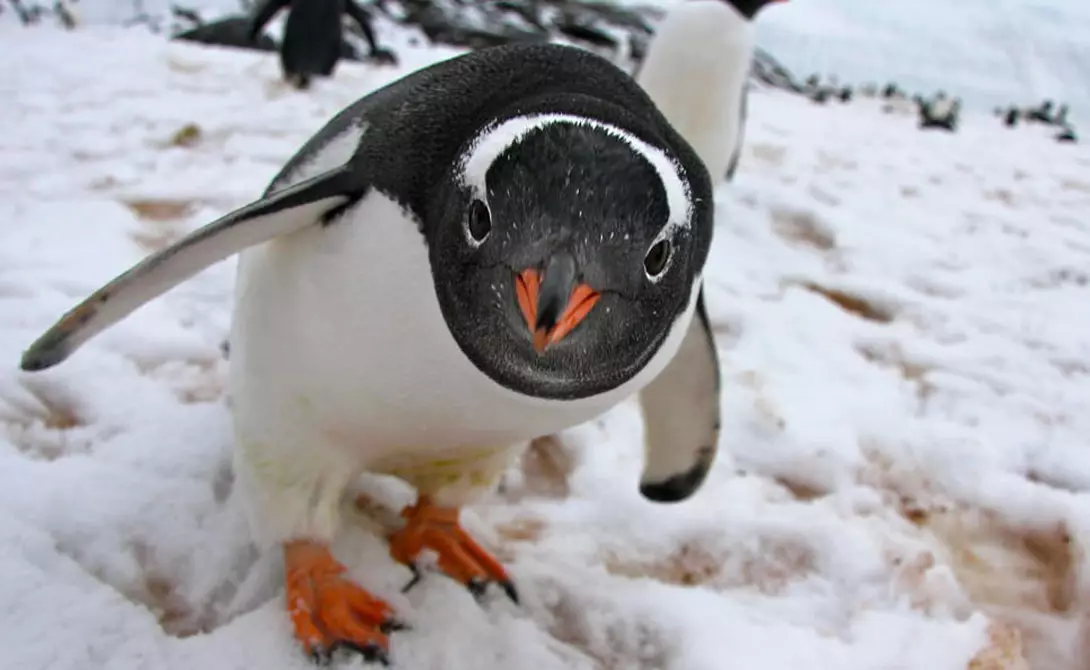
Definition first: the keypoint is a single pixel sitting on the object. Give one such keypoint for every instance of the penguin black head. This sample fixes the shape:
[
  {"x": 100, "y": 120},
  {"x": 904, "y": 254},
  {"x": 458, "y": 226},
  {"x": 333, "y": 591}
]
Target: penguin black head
[
  {"x": 564, "y": 253},
  {"x": 750, "y": 8}
]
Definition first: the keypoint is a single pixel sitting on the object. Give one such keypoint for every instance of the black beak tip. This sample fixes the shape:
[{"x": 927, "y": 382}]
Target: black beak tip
[
  {"x": 547, "y": 316},
  {"x": 556, "y": 286}
]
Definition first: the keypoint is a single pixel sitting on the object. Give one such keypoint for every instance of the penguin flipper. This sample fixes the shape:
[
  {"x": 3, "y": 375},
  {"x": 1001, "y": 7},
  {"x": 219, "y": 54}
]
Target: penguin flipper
[
  {"x": 681, "y": 416},
  {"x": 277, "y": 214},
  {"x": 262, "y": 14},
  {"x": 740, "y": 140}
]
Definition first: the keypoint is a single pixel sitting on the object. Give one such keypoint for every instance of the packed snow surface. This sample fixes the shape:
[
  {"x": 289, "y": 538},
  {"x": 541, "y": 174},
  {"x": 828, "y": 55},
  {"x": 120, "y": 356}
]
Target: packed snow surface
[{"x": 905, "y": 341}]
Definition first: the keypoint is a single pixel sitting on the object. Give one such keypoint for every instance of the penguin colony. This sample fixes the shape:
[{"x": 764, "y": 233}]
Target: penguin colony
[
  {"x": 940, "y": 111},
  {"x": 490, "y": 249}
]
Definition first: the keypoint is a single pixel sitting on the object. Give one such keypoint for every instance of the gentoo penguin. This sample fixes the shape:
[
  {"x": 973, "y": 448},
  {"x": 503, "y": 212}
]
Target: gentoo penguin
[
  {"x": 1067, "y": 135},
  {"x": 1041, "y": 114},
  {"x": 313, "y": 39},
  {"x": 1011, "y": 118},
  {"x": 1060, "y": 119},
  {"x": 940, "y": 112},
  {"x": 493, "y": 248},
  {"x": 696, "y": 70}
]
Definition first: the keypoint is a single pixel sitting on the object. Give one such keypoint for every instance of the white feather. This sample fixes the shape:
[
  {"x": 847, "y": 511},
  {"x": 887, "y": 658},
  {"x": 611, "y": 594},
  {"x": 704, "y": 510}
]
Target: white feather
[
  {"x": 940, "y": 109},
  {"x": 496, "y": 139},
  {"x": 696, "y": 70},
  {"x": 335, "y": 153}
]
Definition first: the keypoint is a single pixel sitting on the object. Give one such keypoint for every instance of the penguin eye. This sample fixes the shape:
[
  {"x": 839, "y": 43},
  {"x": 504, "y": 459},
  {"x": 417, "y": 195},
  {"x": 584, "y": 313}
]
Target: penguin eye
[
  {"x": 478, "y": 221},
  {"x": 657, "y": 258}
]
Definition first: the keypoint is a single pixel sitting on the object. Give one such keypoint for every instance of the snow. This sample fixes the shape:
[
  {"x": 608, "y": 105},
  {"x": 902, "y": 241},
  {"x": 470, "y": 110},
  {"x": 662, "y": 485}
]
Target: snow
[{"x": 902, "y": 482}]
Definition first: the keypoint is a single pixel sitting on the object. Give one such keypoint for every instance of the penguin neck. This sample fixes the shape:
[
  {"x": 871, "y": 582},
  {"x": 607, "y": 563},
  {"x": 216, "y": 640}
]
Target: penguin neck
[{"x": 747, "y": 9}]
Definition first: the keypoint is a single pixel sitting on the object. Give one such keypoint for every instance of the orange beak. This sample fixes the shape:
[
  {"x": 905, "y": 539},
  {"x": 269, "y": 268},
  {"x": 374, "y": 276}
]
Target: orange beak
[{"x": 580, "y": 301}]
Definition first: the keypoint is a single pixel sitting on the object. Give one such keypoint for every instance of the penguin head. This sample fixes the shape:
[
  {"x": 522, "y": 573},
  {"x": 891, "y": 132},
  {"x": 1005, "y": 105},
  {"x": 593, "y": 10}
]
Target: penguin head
[
  {"x": 750, "y": 8},
  {"x": 565, "y": 251}
]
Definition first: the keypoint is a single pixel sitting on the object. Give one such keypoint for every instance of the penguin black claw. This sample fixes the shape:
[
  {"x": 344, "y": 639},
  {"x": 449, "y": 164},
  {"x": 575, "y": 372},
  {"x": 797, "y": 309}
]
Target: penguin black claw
[
  {"x": 477, "y": 587},
  {"x": 417, "y": 576},
  {"x": 320, "y": 656},
  {"x": 393, "y": 625},
  {"x": 371, "y": 653},
  {"x": 509, "y": 589}
]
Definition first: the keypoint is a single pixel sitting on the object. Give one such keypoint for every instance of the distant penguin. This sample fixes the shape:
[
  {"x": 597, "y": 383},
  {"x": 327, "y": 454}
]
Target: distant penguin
[
  {"x": 697, "y": 70},
  {"x": 940, "y": 112},
  {"x": 1060, "y": 119},
  {"x": 1010, "y": 119},
  {"x": 313, "y": 35},
  {"x": 1067, "y": 135},
  {"x": 1042, "y": 114},
  {"x": 493, "y": 248}
]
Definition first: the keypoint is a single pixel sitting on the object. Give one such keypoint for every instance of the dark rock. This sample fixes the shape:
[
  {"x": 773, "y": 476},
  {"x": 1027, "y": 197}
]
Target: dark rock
[
  {"x": 845, "y": 94},
  {"x": 597, "y": 26},
  {"x": 767, "y": 70},
  {"x": 230, "y": 31},
  {"x": 476, "y": 27},
  {"x": 577, "y": 31},
  {"x": 382, "y": 56},
  {"x": 637, "y": 19}
]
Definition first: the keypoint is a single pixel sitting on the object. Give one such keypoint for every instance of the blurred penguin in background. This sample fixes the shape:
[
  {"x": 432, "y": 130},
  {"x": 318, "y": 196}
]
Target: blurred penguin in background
[
  {"x": 313, "y": 35},
  {"x": 696, "y": 70},
  {"x": 940, "y": 112}
]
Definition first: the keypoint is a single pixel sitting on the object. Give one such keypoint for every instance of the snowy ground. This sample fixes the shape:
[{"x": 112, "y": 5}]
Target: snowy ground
[{"x": 906, "y": 348}]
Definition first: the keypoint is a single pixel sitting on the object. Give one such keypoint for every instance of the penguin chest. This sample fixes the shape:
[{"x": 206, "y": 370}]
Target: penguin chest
[
  {"x": 338, "y": 339},
  {"x": 695, "y": 72}
]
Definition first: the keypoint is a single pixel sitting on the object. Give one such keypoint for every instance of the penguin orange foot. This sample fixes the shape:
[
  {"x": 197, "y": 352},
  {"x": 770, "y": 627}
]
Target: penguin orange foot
[
  {"x": 429, "y": 526},
  {"x": 329, "y": 611}
]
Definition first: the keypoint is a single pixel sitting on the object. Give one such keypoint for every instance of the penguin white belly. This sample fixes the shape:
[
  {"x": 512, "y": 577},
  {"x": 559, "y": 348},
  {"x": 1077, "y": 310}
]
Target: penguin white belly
[
  {"x": 341, "y": 362},
  {"x": 695, "y": 71}
]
